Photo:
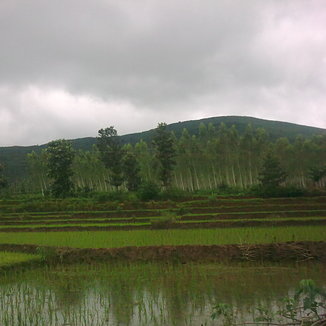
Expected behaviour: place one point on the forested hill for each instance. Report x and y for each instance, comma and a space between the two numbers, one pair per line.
14, 158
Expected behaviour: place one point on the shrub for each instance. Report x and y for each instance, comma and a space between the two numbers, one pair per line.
148, 191
164, 222
273, 191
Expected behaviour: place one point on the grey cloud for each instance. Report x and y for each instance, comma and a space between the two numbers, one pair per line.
185, 58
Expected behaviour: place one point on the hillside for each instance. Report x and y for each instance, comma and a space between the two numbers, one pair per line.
14, 157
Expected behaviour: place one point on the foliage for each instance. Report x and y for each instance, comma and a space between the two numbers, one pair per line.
148, 191
303, 308
60, 156
316, 173
3, 181
131, 171
271, 175
165, 153
164, 222
274, 192
111, 154
224, 311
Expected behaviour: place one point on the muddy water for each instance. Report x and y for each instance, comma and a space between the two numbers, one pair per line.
144, 294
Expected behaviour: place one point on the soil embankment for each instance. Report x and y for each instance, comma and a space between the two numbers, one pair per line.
274, 252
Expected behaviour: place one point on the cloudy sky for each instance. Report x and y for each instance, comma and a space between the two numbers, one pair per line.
71, 67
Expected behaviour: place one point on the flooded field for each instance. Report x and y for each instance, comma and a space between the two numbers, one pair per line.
144, 293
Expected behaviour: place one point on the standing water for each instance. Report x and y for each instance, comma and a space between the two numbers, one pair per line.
144, 293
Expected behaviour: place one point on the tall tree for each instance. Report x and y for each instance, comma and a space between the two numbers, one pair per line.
111, 154
165, 153
3, 180
131, 171
272, 174
60, 157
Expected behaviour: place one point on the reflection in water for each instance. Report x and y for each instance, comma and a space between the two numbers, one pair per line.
142, 293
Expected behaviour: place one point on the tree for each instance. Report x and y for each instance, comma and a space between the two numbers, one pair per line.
60, 155
3, 180
131, 171
317, 173
165, 153
271, 174
111, 154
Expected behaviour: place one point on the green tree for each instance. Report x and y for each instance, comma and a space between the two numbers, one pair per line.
60, 155
271, 175
111, 154
3, 180
131, 171
165, 153
317, 173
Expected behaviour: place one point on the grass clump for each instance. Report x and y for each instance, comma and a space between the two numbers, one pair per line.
13, 258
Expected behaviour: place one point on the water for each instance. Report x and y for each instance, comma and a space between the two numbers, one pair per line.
144, 293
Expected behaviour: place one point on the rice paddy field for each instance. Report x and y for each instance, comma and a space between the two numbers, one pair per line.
206, 221
150, 293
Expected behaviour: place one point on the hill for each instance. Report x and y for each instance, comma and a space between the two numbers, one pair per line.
14, 157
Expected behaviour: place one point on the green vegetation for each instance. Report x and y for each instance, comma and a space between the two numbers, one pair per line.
113, 239
3, 181
144, 294
165, 153
220, 154
59, 156
13, 258
111, 154
306, 308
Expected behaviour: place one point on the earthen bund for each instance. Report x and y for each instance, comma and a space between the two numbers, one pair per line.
302, 251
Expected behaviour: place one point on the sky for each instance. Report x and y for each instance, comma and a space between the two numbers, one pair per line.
71, 67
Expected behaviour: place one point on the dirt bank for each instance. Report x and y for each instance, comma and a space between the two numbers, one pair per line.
193, 225
275, 252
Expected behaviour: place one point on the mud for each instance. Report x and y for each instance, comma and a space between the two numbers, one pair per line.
275, 252
194, 225
255, 208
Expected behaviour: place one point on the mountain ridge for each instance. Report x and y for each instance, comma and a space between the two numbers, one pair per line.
14, 157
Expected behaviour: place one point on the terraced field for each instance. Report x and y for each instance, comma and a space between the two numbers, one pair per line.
190, 214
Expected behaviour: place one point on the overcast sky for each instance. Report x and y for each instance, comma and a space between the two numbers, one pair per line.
71, 67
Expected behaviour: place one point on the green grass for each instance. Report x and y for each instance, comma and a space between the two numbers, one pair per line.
111, 239
32, 226
12, 258
128, 224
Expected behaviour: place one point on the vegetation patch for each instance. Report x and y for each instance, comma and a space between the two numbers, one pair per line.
114, 239
8, 259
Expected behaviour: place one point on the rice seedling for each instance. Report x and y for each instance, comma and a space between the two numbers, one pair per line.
142, 293
13, 258
217, 236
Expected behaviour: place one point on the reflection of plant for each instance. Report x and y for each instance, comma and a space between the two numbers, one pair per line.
307, 307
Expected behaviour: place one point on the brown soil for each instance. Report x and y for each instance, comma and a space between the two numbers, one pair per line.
275, 252
67, 221
202, 225
256, 208
222, 216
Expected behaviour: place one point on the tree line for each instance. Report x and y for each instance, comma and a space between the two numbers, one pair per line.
216, 157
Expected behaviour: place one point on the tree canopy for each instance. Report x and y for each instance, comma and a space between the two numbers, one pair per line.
59, 157
165, 153
111, 154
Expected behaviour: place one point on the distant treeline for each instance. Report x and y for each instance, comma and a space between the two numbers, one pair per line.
214, 157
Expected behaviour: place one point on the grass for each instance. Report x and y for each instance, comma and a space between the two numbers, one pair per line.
13, 258
114, 239
112, 223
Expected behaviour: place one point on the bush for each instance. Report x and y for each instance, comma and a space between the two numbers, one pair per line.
103, 197
164, 222
148, 191
288, 191
173, 194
